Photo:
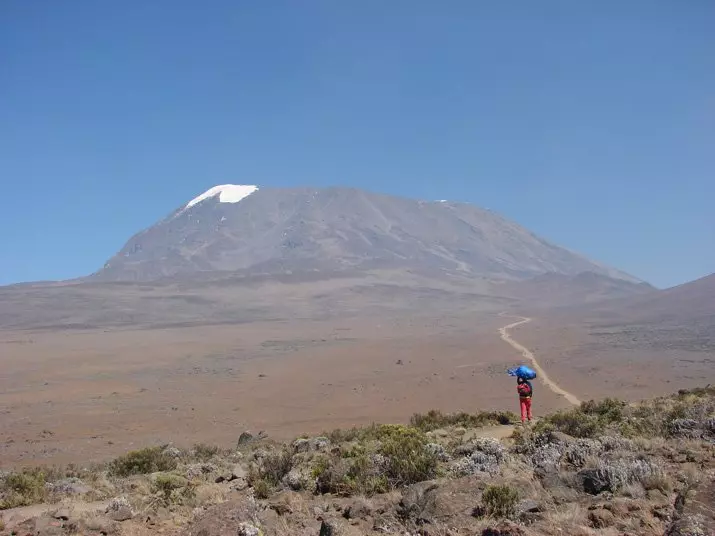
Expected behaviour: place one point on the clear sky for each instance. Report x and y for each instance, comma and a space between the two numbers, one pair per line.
590, 123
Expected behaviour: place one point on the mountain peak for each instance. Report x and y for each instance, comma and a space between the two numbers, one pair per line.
227, 193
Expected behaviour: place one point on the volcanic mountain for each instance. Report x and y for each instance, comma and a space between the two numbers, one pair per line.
251, 230
238, 254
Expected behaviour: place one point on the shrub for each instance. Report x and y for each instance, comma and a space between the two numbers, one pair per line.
268, 475
574, 422
204, 452
619, 473
608, 410
23, 489
262, 489
434, 419
172, 489
276, 465
500, 501
407, 458
142, 462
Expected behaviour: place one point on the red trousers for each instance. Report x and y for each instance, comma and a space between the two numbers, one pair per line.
525, 408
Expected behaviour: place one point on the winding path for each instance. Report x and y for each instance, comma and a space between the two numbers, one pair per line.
540, 373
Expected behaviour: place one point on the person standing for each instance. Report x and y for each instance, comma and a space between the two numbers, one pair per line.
525, 391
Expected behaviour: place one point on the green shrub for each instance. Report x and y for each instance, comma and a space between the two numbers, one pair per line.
608, 410
23, 488
574, 422
172, 489
434, 419
262, 489
204, 452
500, 501
142, 462
407, 460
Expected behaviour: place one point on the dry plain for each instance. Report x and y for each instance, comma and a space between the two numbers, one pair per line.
80, 396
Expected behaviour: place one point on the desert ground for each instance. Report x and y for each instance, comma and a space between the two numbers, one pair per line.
78, 396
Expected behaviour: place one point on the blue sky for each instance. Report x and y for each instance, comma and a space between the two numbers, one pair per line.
590, 123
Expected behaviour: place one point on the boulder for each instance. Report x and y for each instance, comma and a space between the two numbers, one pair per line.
593, 481
245, 438
119, 509
504, 528
248, 529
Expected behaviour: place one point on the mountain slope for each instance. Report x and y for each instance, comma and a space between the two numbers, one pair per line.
254, 230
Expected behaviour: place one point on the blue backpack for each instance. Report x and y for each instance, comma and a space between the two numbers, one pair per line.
522, 372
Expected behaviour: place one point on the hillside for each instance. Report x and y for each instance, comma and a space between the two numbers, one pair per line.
602, 468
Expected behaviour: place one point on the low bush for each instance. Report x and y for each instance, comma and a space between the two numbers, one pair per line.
142, 462
172, 489
435, 419
203, 452
407, 458
590, 420
500, 501
23, 488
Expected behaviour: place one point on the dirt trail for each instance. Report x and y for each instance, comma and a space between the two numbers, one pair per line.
541, 374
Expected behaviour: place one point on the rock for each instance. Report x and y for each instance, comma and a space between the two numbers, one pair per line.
238, 472
248, 529
662, 512
418, 503
601, 519
504, 528
172, 452
557, 485
328, 528
297, 479
63, 514
69, 486
48, 526
312, 444
100, 524
359, 509
200, 469
281, 504
244, 438
593, 481
122, 514
529, 506
119, 509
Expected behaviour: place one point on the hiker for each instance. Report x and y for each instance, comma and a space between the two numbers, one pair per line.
525, 391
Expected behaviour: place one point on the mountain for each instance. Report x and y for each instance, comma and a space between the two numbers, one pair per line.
251, 230
238, 254
691, 304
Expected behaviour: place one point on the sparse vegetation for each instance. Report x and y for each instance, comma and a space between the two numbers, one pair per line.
204, 452
500, 501
143, 462
23, 488
605, 465
433, 419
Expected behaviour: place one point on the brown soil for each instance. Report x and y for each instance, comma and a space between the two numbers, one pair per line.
87, 396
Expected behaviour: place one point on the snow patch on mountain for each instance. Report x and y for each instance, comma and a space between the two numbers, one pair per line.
227, 193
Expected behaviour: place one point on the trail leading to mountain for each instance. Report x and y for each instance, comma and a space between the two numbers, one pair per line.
541, 374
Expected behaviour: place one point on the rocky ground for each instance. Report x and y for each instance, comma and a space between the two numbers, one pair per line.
605, 468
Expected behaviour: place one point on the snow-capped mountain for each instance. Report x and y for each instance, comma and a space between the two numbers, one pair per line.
248, 229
